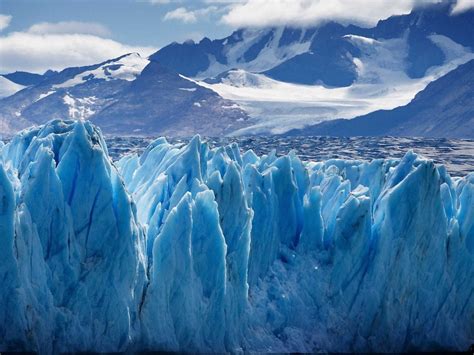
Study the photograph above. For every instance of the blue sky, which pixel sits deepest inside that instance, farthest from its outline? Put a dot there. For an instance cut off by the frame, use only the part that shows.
(36, 35)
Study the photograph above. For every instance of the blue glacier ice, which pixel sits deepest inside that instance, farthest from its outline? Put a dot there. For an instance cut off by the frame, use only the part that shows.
(194, 248)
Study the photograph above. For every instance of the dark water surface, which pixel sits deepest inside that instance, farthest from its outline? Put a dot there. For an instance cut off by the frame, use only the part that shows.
(456, 154)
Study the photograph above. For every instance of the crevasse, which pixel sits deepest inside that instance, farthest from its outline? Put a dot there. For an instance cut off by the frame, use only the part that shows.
(199, 249)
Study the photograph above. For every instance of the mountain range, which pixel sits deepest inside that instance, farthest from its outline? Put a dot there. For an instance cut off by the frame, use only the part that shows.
(269, 81)
(125, 95)
(323, 54)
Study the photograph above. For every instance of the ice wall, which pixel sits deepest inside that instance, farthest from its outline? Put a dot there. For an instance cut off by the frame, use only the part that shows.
(224, 251)
(72, 264)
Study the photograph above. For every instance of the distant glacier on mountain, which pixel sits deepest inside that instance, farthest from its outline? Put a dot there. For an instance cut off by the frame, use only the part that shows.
(197, 249)
(443, 109)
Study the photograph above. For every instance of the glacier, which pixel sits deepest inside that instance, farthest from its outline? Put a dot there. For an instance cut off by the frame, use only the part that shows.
(189, 247)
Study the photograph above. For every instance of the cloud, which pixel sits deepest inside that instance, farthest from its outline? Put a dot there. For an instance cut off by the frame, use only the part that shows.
(4, 21)
(181, 14)
(38, 52)
(462, 6)
(70, 27)
(190, 16)
(261, 13)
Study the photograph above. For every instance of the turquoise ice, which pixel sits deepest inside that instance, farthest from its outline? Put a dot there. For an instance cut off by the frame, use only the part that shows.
(188, 247)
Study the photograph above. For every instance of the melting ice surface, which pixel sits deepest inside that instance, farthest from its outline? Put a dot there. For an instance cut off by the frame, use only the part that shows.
(192, 248)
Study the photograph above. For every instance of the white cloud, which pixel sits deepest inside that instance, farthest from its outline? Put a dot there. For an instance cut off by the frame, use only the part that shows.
(70, 27)
(181, 14)
(38, 52)
(261, 13)
(190, 16)
(4, 21)
(462, 6)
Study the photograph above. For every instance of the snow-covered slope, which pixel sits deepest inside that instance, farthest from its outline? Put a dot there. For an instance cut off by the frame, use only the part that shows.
(241, 78)
(216, 250)
(124, 68)
(8, 87)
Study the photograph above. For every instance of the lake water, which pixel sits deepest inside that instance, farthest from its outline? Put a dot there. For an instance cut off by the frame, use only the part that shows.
(456, 154)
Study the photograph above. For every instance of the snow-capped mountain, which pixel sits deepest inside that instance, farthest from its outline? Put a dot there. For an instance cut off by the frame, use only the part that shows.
(289, 78)
(323, 54)
(125, 98)
(277, 107)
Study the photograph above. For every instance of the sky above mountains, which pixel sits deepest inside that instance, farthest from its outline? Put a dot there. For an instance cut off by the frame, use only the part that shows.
(52, 34)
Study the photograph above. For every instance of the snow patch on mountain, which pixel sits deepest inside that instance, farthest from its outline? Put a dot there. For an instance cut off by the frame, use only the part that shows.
(43, 95)
(242, 78)
(452, 50)
(381, 60)
(8, 87)
(80, 108)
(361, 39)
